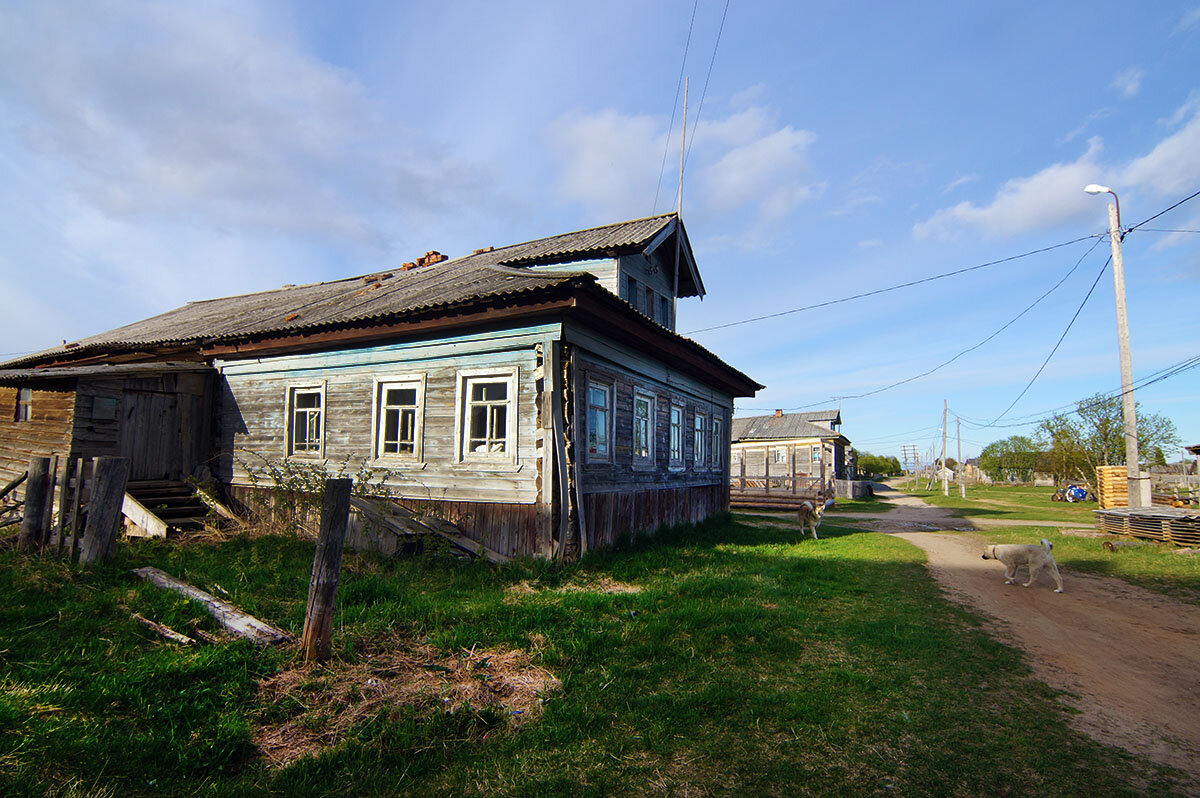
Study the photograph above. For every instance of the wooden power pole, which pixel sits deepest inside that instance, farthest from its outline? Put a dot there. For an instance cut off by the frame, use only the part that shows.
(945, 479)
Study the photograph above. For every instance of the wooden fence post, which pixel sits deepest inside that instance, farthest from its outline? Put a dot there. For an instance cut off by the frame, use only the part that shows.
(48, 516)
(76, 502)
(327, 566)
(104, 509)
(30, 537)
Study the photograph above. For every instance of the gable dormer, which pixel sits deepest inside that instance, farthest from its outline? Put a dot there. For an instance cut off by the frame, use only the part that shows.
(647, 262)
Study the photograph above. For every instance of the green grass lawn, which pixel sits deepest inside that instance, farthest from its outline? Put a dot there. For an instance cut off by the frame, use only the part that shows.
(870, 504)
(1003, 501)
(730, 658)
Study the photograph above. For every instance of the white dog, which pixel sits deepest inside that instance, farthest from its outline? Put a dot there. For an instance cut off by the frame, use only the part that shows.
(1014, 555)
(810, 517)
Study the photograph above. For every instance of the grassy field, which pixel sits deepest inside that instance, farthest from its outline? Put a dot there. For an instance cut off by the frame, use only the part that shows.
(1017, 503)
(732, 658)
(870, 504)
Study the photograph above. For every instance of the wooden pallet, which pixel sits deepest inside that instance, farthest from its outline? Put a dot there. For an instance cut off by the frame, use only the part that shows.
(1112, 486)
(1166, 524)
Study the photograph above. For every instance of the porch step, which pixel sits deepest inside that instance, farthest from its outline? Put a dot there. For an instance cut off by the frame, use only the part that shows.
(174, 503)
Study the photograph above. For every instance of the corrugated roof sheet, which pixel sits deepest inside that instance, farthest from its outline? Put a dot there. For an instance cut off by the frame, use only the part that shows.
(611, 238)
(101, 370)
(785, 427)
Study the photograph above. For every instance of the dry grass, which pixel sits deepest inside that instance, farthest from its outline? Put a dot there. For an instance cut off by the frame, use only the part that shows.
(513, 594)
(329, 701)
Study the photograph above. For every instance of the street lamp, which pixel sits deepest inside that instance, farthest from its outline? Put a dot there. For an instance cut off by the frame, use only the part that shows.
(1139, 484)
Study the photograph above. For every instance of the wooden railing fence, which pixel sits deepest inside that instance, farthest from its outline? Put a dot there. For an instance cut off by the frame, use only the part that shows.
(89, 493)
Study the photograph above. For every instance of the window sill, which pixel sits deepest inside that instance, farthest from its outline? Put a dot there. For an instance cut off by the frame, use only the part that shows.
(491, 468)
(398, 463)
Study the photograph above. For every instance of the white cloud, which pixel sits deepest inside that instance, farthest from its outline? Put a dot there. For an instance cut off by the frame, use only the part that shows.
(1173, 166)
(1129, 81)
(178, 114)
(744, 161)
(1094, 116)
(1189, 20)
(1042, 200)
(959, 181)
(871, 244)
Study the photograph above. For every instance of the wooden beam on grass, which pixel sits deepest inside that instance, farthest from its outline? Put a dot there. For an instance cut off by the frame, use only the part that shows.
(327, 567)
(165, 631)
(229, 616)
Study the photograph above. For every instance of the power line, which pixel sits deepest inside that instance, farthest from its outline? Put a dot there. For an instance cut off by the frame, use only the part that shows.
(1078, 310)
(1157, 230)
(899, 285)
(704, 91)
(1188, 198)
(674, 107)
(1008, 324)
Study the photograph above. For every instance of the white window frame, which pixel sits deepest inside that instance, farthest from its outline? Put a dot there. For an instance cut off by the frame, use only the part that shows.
(644, 461)
(675, 418)
(465, 379)
(700, 441)
(781, 455)
(289, 404)
(382, 385)
(24, 410)
(716, 453)
(609, 390)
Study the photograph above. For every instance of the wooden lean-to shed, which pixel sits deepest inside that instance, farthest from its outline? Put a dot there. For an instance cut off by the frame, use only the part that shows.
(535, 396)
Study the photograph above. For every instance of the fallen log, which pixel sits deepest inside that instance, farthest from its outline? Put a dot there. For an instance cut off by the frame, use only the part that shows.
(165, 631)
(1113, 545)
(237, 622)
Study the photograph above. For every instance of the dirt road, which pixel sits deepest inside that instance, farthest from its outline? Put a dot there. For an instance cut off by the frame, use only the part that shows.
(1129, 656)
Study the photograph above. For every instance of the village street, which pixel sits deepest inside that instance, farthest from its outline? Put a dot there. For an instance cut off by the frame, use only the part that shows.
(1126, 655)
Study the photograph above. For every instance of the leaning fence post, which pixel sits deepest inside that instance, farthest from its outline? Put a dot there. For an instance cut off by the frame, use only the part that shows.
(104, 509)
(327, 565)
(35, 504)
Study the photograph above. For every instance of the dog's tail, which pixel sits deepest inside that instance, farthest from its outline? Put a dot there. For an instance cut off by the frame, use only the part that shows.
(1047, 545)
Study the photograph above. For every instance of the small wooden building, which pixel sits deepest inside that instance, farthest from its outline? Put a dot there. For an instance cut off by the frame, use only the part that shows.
(790, 455)
(536, 396)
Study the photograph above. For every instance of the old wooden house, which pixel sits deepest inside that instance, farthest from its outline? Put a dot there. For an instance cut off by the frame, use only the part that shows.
(790, 456)
(536, 395)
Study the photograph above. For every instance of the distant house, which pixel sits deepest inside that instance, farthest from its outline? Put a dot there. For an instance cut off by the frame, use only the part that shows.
(812, 441)
(536, 395)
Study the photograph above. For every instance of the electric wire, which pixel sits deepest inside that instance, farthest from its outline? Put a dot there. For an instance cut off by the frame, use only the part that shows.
(898, 286)
(674, 107)
(1159, 230)
(704, 92)
(1188, 198)
(1070, 324)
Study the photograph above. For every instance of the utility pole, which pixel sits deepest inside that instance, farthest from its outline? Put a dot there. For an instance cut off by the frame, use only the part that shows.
(962, 472)
(945, 479)
(1139, 484)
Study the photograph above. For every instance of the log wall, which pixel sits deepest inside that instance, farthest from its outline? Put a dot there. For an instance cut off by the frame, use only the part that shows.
(47, 432)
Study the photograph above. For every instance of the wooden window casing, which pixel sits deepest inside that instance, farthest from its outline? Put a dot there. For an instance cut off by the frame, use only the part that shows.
(644, 411)
(24, 404)
(717, 453)
(599, 422)
(399, 418)
(486, 416)
(675, 438)
(306, 421)
(700, 441)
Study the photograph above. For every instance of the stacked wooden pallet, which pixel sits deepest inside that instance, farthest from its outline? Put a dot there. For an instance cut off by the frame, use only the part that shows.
(1112, 484)
(1167, 524)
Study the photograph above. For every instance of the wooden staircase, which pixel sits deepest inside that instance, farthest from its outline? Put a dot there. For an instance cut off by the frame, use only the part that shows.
(153, 508)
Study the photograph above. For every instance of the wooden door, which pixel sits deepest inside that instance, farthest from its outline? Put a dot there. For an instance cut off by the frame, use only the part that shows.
(150, 435)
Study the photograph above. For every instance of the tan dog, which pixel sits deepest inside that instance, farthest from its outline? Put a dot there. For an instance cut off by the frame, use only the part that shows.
(810, 517)
(1015, 555)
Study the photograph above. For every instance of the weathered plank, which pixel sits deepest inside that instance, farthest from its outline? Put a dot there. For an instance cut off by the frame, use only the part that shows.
(327, 565)
(165, 631)
(143, 518)
(30, 537)
(229, 616)
(104, 508)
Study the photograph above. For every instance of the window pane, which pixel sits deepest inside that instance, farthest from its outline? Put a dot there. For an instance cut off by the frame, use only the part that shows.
(401, 396)
(597, 396)
(308, 399)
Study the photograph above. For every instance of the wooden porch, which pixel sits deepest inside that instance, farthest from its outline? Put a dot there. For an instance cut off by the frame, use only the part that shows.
(762, 482)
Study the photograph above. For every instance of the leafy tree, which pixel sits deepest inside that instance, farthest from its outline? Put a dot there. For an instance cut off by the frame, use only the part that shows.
(1015, 457)
(877, 464)
(1094, 435)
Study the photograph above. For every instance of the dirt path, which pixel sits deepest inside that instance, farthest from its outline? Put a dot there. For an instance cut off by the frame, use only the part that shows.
(1129, 656)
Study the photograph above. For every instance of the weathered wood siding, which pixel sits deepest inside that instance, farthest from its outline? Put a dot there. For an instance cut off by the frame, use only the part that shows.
(47, 432)
(613, 515)
(621, 496)
(253, 414)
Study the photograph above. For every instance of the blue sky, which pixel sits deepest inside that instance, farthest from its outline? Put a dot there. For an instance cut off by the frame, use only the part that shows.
(152, 154)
